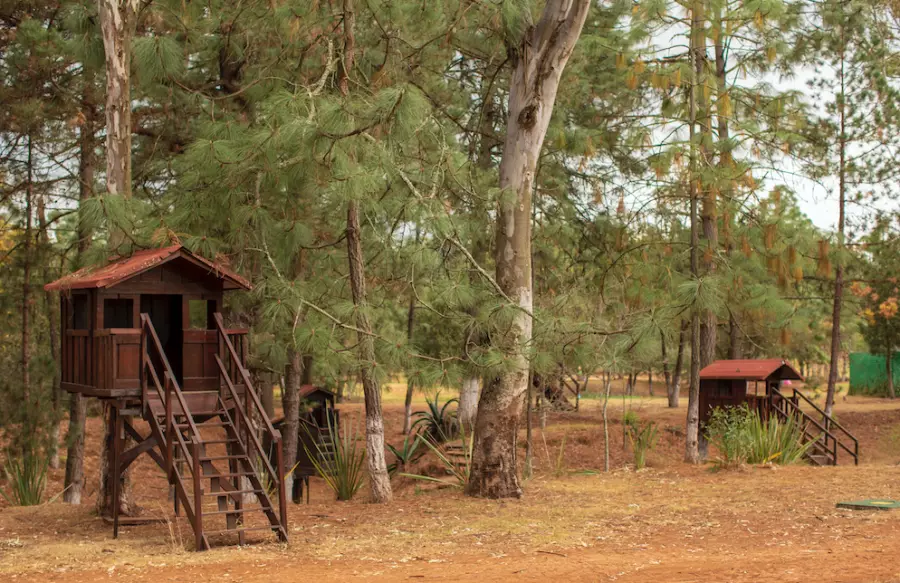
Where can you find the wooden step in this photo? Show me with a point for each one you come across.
(230, 475)
(820, 460)
(206, 424)
(216, 458)
(232, 492)
(239, 530)
(198, 403)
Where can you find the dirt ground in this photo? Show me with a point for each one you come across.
(670, 522)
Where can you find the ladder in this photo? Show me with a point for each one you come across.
(211, 451)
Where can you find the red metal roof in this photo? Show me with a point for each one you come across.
(307, 390)
(141, 261)
(752, 370)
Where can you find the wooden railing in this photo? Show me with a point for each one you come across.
(251, 405)
(825, 442)
(170, 393)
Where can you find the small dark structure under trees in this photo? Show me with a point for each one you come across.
(758, 384)
(319, 426)
(145, 335)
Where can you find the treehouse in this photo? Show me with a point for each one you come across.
(727, 383)
(145, 334)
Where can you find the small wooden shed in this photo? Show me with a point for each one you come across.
(729, 383)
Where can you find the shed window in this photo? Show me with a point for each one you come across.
(118, 313)
(79, 315)
(200, 316)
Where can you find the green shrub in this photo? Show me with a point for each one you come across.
(742, 436)
(643, 438)
(26, 476)
(340, 460)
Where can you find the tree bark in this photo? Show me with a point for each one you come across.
(74, 481)
(379, 481)
(839, 263)
(290, 403)
(51, 305)
(117, 24)
(29, 407)
(538, 60)
(692, 430)
(410, 385)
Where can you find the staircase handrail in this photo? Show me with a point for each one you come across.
(831, 420)
(274, 434)
(257, 445)
(820, 426)
(147, 325)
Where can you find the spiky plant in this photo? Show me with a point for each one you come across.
(437, 424)
(340, 461)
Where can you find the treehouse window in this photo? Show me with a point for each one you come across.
(118, 313)
(79, 314)
(200, 315)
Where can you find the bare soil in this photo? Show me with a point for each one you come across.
(669, 522)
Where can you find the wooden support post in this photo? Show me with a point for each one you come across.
(282, 498)
(170, 430)
(198, 496)
(116, 423)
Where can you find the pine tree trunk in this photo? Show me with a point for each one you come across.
(74, 481)
(290, 403)
(709, 235)
(692, 430)
(117, 24)
(379, 481)
(29, 407)
(839, 263)
(410, 385)
(51, 305)
(469, 395)
(607, 384)
(538, 61)
(667, 376)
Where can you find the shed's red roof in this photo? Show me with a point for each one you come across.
(141, 261)
(752, 370)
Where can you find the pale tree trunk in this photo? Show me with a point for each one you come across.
(538, 60)
(839, 263)
(290, 403)
(117, 24)
(692, 430)
(469, 394)
(379, 481)
(74, 481)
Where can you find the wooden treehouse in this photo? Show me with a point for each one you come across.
(727, 383)
(145, 335)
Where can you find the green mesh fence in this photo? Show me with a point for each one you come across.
(868, 373)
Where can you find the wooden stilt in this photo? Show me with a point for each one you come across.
(116, 423)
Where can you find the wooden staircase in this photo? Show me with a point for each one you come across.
(826, 436)
(211, 448)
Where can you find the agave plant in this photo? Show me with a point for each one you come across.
(456, 460)
(340, 460)
(407, 454)
(437, 424)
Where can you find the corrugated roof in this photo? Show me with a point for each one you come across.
(752, 370)
(127, 267)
